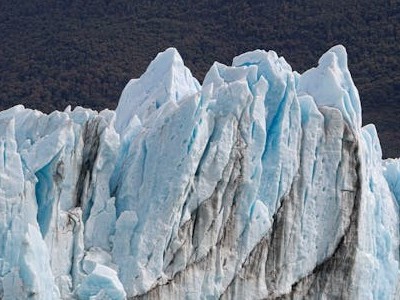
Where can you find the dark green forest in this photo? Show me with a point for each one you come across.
(83, 52)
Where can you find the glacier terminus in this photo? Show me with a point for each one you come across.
(259, 183)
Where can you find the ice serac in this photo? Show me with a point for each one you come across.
(166, 79)
(259, 184)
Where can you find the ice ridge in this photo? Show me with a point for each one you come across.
(261, 183)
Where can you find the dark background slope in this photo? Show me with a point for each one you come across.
(55, 53)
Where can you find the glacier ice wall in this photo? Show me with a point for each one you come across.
(259, 183)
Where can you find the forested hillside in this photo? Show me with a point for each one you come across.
(83, 52)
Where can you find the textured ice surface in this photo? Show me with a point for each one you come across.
(260, 183)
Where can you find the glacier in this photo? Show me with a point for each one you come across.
(259, 183)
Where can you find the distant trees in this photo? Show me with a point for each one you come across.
(55, 53)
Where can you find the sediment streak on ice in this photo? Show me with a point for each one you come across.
(259, 183)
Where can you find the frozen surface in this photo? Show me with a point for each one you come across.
(261, 183)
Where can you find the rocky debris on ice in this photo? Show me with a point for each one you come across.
(259, 183)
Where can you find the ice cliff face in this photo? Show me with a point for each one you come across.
(261, 183)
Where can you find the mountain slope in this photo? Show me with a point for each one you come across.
(56, 53)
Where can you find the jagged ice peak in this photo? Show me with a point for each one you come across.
(261, 183)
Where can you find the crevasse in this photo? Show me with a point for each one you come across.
(259, 183)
